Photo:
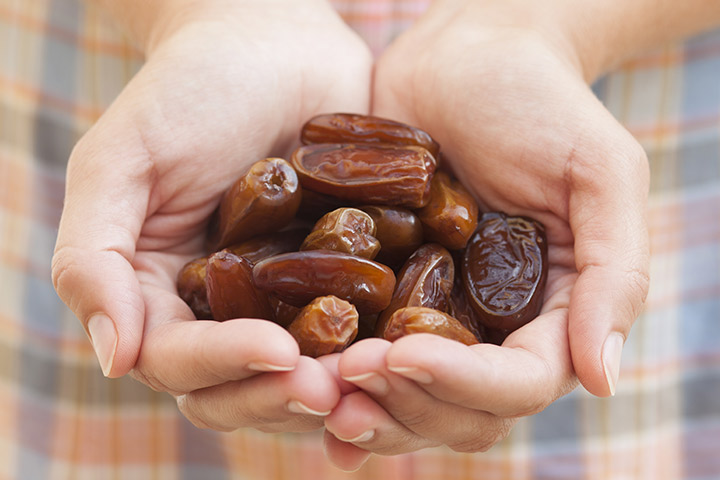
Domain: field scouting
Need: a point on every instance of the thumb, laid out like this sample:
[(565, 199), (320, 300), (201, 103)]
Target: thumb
[(607, 208), (106, 199)]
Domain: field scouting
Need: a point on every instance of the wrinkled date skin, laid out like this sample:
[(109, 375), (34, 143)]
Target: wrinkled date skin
[(410, 320), (326, 325), (504, 270), (367, 174), (352, 128), (299, 277), (398, 230), (451, 215), (230, 290), (264, 200), (191, 287), (426, 280), (347, 230)]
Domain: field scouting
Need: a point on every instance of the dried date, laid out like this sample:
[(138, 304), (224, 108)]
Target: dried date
[(326, 325), (398, 230), (426, 280), (451, 214), (347, 230), (366, 174), (353, 128), (263, 200), (504, 270), (191, 287), (230, 289), (299, 277), (411, 320)]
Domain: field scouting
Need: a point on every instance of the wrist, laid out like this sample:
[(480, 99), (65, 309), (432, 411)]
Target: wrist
[(594, 35), (150, 23)]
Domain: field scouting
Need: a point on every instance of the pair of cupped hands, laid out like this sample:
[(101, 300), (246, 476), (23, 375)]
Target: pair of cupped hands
[(222, 89)]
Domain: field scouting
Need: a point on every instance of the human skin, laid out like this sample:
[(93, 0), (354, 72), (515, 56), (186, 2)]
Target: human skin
[(503, 87), (224, 85)]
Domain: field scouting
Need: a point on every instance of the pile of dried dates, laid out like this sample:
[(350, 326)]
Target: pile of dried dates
[(360, 234)]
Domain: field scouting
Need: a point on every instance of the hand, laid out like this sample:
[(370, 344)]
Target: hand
[(225, 84), (519, 125)]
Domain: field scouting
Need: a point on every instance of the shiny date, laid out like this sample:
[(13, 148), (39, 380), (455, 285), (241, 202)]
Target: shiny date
[(504, 270), (263, 200), (367, 174), (353, 128), (299, 277), (426, 280), (411, 320)]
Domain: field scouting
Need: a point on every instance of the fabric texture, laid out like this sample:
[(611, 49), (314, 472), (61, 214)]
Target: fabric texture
[(61, 65)]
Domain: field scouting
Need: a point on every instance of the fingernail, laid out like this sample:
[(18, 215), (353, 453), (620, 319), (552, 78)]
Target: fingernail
[(370, 382), (104, 340), (611, 354), (298, 407), (363, 437), (268, 367), (413, 373)]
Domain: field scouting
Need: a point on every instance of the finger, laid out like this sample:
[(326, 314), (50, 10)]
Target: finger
[(359, 420), (608, 198), (331, 363), (531, 370), (181, 356), (108, 184), (343, 455), (430, 418), (281, 401)]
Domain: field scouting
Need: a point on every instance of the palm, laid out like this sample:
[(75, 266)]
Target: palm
[(519, 126), (225, 90)]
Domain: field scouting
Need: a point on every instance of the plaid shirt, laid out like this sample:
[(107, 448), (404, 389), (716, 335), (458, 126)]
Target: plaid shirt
[(61, 65)]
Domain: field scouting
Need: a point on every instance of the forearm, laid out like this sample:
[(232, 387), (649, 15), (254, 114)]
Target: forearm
[(149, 22), (145, 22)]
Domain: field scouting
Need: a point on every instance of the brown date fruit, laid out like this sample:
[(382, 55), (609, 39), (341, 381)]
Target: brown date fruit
[(398, 230), (326, 325), (426, 280), (459, 308), (367, 174), (504, 270), (354, 128), (263, 200), (299, 277), (191, 287), (230, 290), (451, 215), (269, 244), (410, 320), (347, 230)]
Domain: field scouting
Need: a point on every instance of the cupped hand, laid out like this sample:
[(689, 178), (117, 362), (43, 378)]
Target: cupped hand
[(519, 125), (228, 84)]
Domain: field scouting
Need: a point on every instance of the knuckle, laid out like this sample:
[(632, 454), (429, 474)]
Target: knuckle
[(417, 420), (190, 408), (151, 381), (487, 437), (62, 267)]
